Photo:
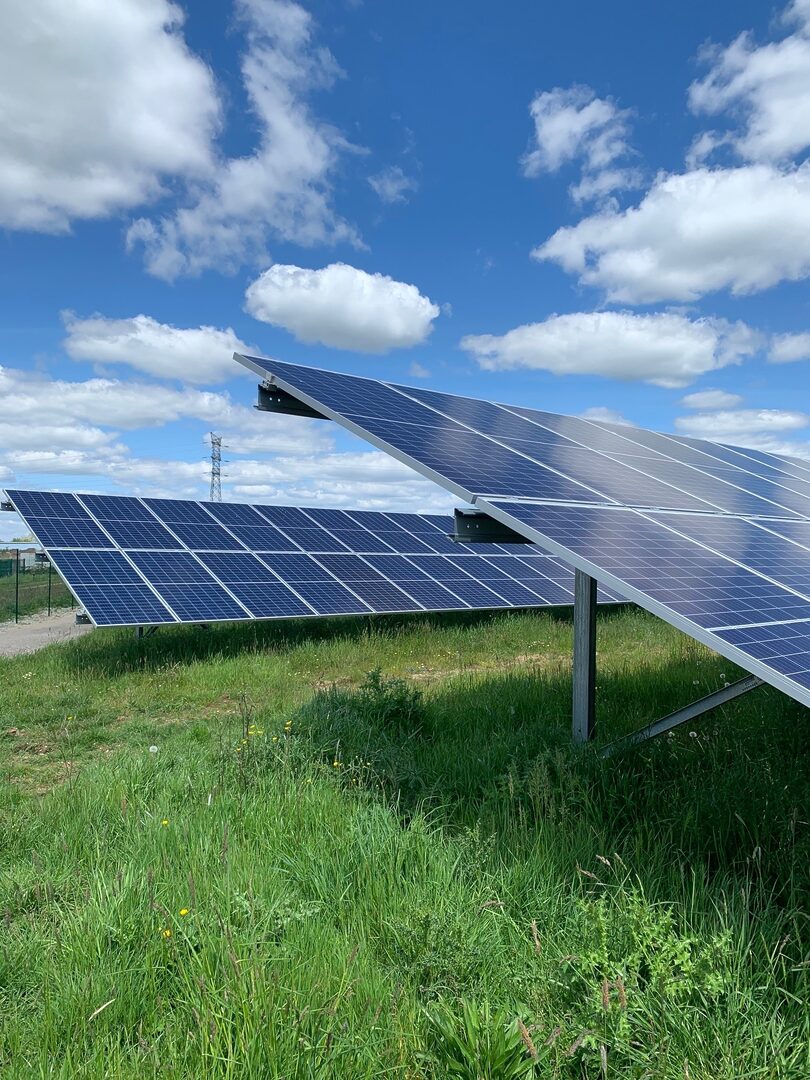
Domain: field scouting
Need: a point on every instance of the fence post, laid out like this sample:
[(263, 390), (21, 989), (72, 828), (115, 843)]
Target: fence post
[(17, 591)]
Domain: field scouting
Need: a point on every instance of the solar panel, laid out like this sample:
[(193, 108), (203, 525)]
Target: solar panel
[(713, 538), (479, 449), (137, 561)]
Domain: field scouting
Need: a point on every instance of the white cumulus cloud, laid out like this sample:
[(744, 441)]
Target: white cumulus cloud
[(100, 103), (572, 124), (282, 189), (342, 307), (735, 424), (742, 229), (711, 399), (665, 349), (201, 354), (786, 348), (765, 87)]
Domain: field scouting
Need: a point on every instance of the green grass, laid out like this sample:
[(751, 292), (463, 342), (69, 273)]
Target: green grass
[(411, 876), (31, 594)]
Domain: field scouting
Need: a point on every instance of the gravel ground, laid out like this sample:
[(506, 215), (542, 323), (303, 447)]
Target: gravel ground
[(37, 631)]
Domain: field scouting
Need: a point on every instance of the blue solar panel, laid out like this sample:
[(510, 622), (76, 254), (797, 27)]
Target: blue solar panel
[(95, 567), (315, 539), (473, 592), (272, 600), (262, 538), (47, 504), (367, 542), (206, 571), (201, 603), (170, 567), (285, 517), (231, 514), (172, 510), (68, 532), (232, 567), (210, 537), (117, 508), (123, 605), (330, 519), (750, 544), (142, 534)]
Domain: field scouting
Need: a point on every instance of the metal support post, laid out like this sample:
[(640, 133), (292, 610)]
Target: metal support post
[(682, 716), (584, 711), (17, 591), (50, 568)]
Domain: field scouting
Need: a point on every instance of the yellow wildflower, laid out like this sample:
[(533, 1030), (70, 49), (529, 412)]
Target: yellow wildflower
[(184, 911), (165, 822), (166, 933)]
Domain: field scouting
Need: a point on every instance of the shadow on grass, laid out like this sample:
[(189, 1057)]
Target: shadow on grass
[(113, 651), (726, 794)]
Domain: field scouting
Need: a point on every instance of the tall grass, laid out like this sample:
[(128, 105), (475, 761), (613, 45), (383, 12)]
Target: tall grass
[(321, 873)]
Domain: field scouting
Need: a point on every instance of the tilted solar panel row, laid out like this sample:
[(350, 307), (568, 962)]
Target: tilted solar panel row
[(133, 561), (713, 538), (480, 448)]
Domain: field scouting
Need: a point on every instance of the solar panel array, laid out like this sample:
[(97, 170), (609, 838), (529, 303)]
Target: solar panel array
[(133, 561), (713, 538)]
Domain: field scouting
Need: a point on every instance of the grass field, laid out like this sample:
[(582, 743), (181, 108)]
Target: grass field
[(321, 874)]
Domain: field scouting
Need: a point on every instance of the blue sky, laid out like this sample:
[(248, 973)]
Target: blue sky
[(579, 207)]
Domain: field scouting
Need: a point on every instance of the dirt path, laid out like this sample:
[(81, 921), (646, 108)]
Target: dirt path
[(37, 631)]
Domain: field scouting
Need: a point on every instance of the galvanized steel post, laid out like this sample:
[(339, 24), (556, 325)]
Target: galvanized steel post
[(584, 703)]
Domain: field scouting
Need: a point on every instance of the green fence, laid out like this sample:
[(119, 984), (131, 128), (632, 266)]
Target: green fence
[(27, 589)]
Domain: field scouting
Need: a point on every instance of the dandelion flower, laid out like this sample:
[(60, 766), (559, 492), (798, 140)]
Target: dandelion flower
[(184, 911), (166, 933), (165, 822)]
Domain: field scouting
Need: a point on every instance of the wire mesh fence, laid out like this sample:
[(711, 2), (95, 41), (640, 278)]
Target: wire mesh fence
[(29, 587)]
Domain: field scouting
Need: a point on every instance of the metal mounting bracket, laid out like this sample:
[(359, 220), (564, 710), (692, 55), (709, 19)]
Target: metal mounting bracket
[(273, 399), (476, 527)]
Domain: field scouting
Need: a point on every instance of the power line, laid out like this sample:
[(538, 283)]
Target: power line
[(216, 467)]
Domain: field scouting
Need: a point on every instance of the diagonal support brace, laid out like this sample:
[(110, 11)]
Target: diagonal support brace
[(682, 716)]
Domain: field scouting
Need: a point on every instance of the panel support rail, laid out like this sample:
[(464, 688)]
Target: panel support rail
[(584, 688), (682, 716)]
